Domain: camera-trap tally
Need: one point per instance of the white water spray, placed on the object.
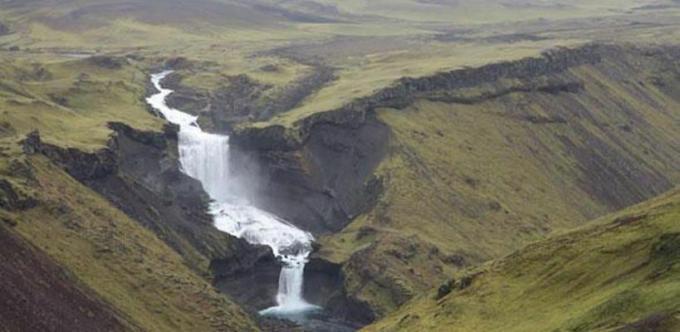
(205, 157)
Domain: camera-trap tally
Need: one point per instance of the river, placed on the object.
(205, 157)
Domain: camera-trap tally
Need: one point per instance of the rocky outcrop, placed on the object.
(12, 199)
(322, 183)
(4, 29)
(237, 276)
(238, 99)
(309, 169)
(324, 286)
(139, 173)
(318, 174)
(79, 164)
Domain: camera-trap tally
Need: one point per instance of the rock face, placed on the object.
(324, 286)
(319, 184)
(34, 286)
(239, 98)
(318, 175)
(251, 278)
(4, 29)
(585, 118)
(11, 199)
(139, 173)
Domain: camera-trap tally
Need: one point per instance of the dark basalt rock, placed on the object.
(4, 29)
(13, 200)
(239, 98)
(139, 173)
(321, 183)
(453, 284)
(81, 165)
(324, 286)
(251, 278)
(318, 173)
(108, 62)
(177, 63)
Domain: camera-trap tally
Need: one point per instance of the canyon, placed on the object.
(327, 166)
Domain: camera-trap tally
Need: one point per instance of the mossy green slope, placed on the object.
(475, 173)
(125, 264)
(619, 272)
(70, 101)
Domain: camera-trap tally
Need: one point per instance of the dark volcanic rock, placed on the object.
(319, 184)
(37, 295)
(139, 173)
(324, 286)
(108, 62)
(251, 278)
(239, 98)
(81, 165)
(12, 200)
(4, 29)
(317, 174)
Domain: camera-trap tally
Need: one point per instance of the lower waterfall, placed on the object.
(205, 157)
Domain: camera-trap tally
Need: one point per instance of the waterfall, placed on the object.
(205, 157)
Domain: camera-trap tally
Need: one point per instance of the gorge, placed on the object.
(334, 166)
(205, 157)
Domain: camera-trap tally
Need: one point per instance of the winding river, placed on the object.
(205, 157)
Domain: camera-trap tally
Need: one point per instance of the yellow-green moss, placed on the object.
(620, 269)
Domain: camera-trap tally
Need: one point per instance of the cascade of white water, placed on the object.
(205, 157)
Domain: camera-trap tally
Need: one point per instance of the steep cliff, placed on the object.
(104, 209)
(471, 164)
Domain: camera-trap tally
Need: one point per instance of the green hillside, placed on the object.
(419, 140)
(620, 273)
(125, 265)
(475, 172)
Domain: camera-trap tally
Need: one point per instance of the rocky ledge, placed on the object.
(138, 172)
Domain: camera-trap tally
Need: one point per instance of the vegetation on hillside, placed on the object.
(505, 169)
(122, 262)
(619, 273)
(472, 173)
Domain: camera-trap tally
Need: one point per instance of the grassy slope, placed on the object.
(124, 263)
(363, 70)
(618, 270)
(229, 34)
(70, 101)
(480, 181)
(42, 34)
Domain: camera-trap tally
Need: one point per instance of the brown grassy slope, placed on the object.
(34, 286)
(621, 273)
(477, 172)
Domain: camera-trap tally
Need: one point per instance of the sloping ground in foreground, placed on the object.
(620, 273)
(123, 263)
(35, 286)
(152, 278)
